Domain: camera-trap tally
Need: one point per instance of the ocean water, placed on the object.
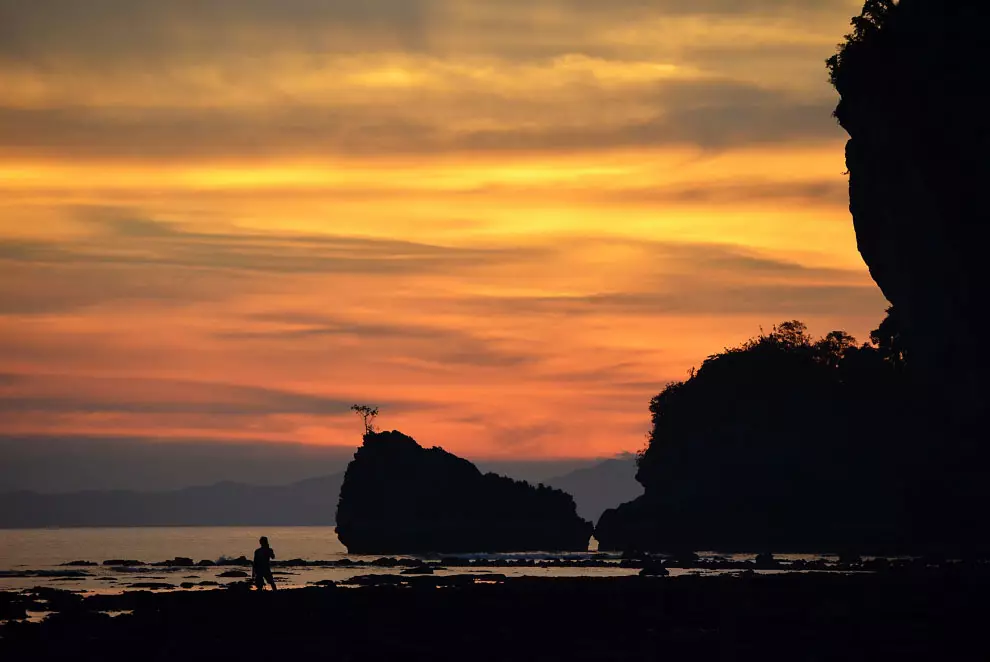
(35, 557)
(33, 548)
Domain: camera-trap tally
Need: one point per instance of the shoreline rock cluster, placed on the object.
(398, 497)
(928, 615)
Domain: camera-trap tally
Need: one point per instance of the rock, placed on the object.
(233, 573)
(187, 585)
(206, 563)
(12, 606)
(56, 599)
(295, 563)
(766, 561)
(80, 564)
(375, 580)
(421, 570)
(399, 497)
(914, 105)
(180, 562)
(209, 583)
(725, 469)
(848, 559)
(386, 562)
(152, 586)
(655, 570)
(240, 561)
(121, 562)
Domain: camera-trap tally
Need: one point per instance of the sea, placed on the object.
(51, 558)
(38, 557)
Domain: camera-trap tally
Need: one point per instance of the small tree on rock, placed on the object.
(367, 414)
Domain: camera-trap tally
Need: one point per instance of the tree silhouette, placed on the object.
(888, 339)
(368, 415)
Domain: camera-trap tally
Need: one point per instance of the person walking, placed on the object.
(262, 571)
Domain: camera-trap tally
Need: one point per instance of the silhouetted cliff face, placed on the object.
(399, 497)
(782, 444)
(912, 78)
(913, 83)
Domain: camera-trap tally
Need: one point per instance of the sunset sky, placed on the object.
(508, 223)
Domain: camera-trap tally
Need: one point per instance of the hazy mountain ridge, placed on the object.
(305, 503)
(597, 488)
(311, 502)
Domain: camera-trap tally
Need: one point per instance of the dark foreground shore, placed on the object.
(832, 616)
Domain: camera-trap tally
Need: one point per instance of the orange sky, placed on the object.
(507, 223)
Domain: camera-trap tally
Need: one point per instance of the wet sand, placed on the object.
(937, 614)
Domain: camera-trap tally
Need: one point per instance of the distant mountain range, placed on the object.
(306, 503)
(310, 502)
(600, 487)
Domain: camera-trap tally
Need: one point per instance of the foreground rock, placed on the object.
(912, 79)
(399, 497)
(798, 617)
(733, 463)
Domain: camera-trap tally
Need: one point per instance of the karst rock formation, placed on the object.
(900, 461)
(913, 84)
(401, 498)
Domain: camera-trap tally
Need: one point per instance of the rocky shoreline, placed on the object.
(919, 614)
(687, 561)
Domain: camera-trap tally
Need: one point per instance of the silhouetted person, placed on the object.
(262, 565)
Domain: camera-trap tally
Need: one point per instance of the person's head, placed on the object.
(264, 541)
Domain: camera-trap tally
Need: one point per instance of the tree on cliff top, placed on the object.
(368, 415)
(866, 27)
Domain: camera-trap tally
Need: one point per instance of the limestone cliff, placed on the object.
(912, 79)
(769, 446)
(399, 497)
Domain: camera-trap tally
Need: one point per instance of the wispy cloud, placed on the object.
(508, 223)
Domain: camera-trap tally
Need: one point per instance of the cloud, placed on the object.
(54, 393)
(725, 299)
(442, 346)
(699, 279)
(505, 141)
(144, 261)
(778, 299)
(108, 29)
(299, 78)
(743, 191)
(105, 30)
(134, 260)
(581, 116)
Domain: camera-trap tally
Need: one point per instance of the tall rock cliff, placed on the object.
(399, 497)
(913, 84)
(782, 444)
(912, 78)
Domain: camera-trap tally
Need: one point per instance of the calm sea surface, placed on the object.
(34, 557)
(34, 548)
